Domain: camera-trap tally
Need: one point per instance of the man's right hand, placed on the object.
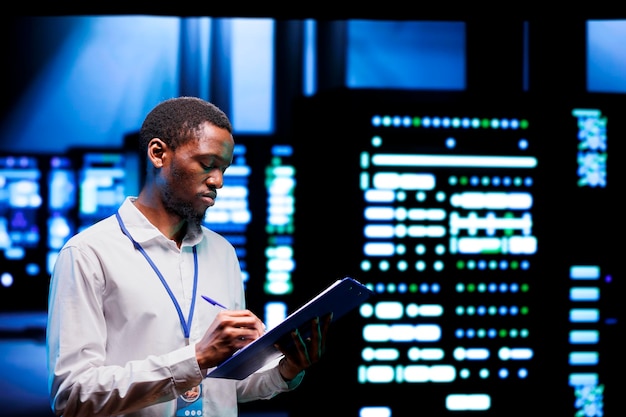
(230, 331)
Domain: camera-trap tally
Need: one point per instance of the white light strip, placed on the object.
(451, 161)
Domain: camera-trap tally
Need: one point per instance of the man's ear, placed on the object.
(156, 150)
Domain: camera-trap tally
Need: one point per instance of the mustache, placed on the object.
(212, 193)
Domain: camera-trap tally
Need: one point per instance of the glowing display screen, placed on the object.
(23, 196)
(105, 179)
(20, 201)
(592, 147)
(62, 190)
(448, 244)
(478, 226)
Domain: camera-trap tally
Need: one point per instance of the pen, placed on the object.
(215, 303)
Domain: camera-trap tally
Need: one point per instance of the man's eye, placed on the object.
(213, 165)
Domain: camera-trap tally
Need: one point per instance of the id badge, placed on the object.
(189, 404)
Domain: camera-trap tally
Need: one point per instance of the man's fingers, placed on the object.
(302, 350)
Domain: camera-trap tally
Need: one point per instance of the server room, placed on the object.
(465, 169)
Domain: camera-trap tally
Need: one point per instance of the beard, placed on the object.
(182, 209)
(176, 205)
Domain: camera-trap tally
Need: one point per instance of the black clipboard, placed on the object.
(339, 298)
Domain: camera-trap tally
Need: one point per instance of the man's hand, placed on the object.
(230, 331)
(306, 351)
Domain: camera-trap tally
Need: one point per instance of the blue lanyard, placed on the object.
(186, 324)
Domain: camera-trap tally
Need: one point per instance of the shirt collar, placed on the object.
(143, 231)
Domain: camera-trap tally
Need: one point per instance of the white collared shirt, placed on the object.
(115, 341)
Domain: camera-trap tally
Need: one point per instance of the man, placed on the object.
(128, 332)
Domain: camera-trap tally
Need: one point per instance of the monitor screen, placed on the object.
(21, 233)
(62, 202)
(105, 178)
(471, 220)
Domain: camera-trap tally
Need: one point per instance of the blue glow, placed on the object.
(606, 56)
(375, 412)
(584, 315)
(591, 272)
(583, 378)
(405, 55)
(584, 294)
(583, 358)
(6, 279)
(310, 57)
(98, 52)
(584, 336)
(252, 47)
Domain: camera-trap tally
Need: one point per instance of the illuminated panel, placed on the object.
(448, 247)
(20, 204)
(62, 191)
(584, 338)
(105, 179)
(280, 184)
(280, 209)
(592, 148)
(231, 216)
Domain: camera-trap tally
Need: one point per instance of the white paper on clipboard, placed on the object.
(339, 298)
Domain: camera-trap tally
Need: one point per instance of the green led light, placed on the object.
(287, 288)
(460, 265)
(471, 287)
(502, 333)
(508, 232)
(523, 124)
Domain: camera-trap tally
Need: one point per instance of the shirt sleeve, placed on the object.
(81, 382)
(266, 383)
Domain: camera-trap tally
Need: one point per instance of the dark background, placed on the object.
(553, 74)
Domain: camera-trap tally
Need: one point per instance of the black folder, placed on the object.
(339, 298)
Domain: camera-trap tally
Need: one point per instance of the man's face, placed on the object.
(192, 174)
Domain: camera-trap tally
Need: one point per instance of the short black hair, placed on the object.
(176, 120)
